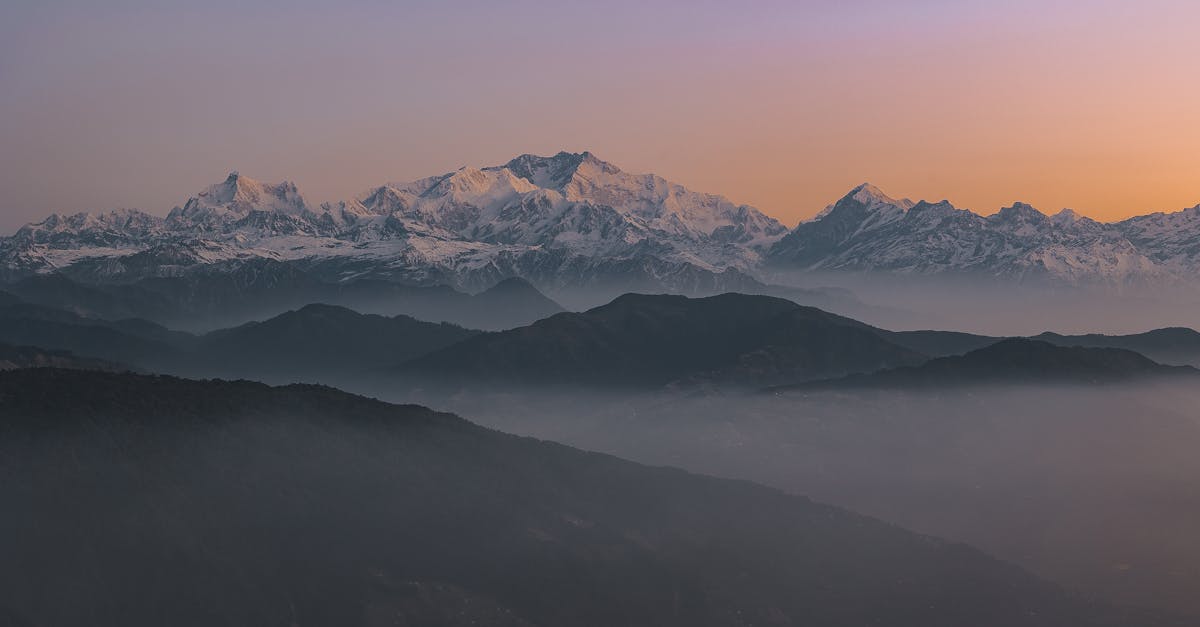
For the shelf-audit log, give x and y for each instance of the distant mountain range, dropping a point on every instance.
(314, 342)
(13, 357)
(1015, 360)
(869, 231)
(573, 221)
(205, 301)
(1172, 346)
(154, 500)
(637, 341)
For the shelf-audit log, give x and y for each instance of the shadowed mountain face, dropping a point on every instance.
(650, 341)
(319, 339)
(637, 340)
(12, 357)
(1174, 346)
(1177, 346)
(1018, 361)
(134, 342)
(110, 302)
(213, 503)
(313, 342)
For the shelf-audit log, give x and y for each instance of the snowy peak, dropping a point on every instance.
(868, 194)
(237, 197)
(574, 219)
(865, 232)
(1067, 217)
(1021, 219)
(1020, 211)
(123, 219)
(864, 204)
(575, 201)
(469, 184)
(557, 171)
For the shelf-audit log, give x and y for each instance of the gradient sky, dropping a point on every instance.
(1093, 105)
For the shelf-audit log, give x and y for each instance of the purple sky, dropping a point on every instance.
(784, 105)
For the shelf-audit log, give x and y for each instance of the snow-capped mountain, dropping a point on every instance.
(565, 220)
(572, 220)
(868, 231)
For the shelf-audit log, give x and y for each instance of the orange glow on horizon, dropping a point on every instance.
(784, 106)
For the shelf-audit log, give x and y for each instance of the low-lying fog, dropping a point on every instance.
(992, 307)
(1095, 488)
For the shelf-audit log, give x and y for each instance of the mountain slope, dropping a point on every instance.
(1176, 346)
(12, 357)
(108, 301)
(216, 503)
(1016, 360)
(132, 342)
(649, 341)
(254, 291)
(322, 339)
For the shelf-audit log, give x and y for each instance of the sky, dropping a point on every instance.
(782, 105)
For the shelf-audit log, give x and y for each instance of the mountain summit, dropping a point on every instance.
(235, 198)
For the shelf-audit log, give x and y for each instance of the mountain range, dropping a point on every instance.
(153, 500)
(573, 221)
(570, 219)
(202, 302)
(654, 340)
(868, 231)
(637, 341)
(13, 357)
(1014, 360)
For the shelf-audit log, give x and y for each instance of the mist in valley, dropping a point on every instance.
(1096, 488)
(991, 305)
(1093, 486)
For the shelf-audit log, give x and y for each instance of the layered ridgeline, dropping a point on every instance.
(566, 220)
(636, 341)
(869, 231)
(572, 221)
(649, 341)
(14, 357)
(213, 503)
(207, 301)
(645, 341)
(315, 342)
(1016, 361)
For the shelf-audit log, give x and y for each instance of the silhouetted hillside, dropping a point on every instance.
(1016, 360)
(12, 357)
(134, 342)
(320, 339)
(643, 340)
(134, 500)
(939, 343)
(1179, 346)
(109, 301)
(255, 291)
